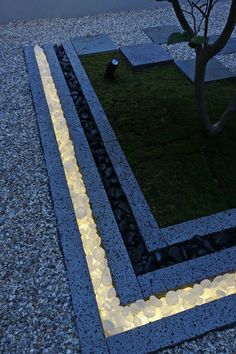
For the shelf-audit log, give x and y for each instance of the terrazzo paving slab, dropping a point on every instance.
(153, 336)
(191, 271)
(160, 34)
(215, 70)
(127, 285)
(148, 226)
(144, 55)
(93, 44)
(92, 338)
(166, 332)
(230, 46)
(200, 226)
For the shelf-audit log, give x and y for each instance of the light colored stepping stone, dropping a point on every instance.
(215, 70)
(143, 55)
(161, 34)
(229, 48)
(93, 44)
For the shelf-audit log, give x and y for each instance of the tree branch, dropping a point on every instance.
(199, 8)
(182, 20)
(203, 13)
(208, 12)
(218, 45)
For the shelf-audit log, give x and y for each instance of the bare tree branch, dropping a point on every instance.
(191, 13)
(203, 13)
(193, 17)
(219, 44)
(199, 8)
(182, 20)
(215, 2)
(207, 17)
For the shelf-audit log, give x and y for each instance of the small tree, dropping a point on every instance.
(200, 12)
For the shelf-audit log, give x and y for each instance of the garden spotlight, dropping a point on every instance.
(111, 68)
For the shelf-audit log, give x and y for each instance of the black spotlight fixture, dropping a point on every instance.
(111, 68)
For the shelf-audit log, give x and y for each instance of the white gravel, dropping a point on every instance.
(36, 312)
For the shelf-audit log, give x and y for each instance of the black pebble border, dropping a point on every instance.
(196, 247)
(143, 261)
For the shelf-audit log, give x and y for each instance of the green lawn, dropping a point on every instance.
(182, 174)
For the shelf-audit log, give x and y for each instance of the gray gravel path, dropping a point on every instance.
(36, 312)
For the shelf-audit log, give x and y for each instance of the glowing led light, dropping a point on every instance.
(116, 318)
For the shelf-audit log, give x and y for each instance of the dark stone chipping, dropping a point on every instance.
(196, 247)
(142, 260)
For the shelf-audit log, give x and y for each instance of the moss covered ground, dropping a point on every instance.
(182, 173)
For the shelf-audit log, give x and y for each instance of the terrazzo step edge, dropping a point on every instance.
(148, 226)
(92, 339)
(123, 275)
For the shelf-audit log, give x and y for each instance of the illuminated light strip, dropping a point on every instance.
(116, 318)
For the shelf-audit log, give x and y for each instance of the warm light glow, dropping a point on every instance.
(116, 318)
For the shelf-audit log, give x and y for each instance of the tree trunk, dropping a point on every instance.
(199, 87)
(203, 55)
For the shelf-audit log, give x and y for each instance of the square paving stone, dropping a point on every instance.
(145, 55)
(93, 44)
(230, 46)
(215, 70)
(161, 34)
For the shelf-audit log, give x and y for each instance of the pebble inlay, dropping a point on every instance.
(116, 318)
